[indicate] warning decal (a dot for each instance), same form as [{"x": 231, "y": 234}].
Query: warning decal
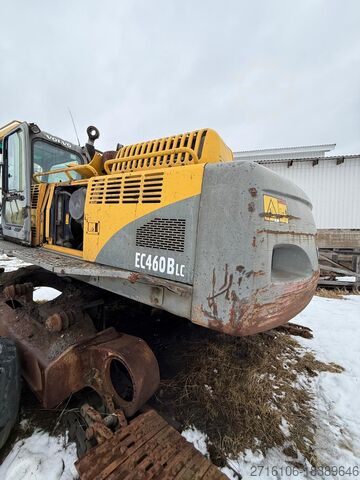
[{"x": 275, "y": 209}]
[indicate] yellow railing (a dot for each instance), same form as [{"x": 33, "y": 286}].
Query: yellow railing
[
  {"x": 163, "y": 158},
  {"x": 86, "y": 171}
]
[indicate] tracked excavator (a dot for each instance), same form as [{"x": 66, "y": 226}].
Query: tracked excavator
[{"x": 174, "y": 223}]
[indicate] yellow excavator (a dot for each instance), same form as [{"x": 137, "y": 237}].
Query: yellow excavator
[{"x": 173, "y": 223}]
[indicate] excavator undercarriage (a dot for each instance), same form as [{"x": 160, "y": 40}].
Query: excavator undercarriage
[{"x": 62, "y": 353}]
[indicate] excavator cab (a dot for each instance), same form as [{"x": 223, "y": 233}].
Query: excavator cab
[{"x": 29, "y": 156}]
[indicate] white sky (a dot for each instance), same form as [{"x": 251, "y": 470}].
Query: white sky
[{"x": 263, "y": 73}]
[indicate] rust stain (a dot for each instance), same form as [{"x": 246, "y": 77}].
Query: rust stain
[
  {"x": 250, "y": 316},
  {"x": 133, "y": 277},
  {"x": 251, "y": 207},
  {"x": 258, "y": 273},
  {"x": 286, "y": 232},
  {"x": 279, "y": 215},
  {"x": 223, "y": 290}
]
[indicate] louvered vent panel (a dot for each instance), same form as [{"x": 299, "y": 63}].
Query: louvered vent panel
[
  {"x": 35, "y": 191},
  {"x": 127, "y": 189},
  {"x": 152, "y": 188},
  {"x": 33, "y": 233},
  {"x": 97, "y": 190},
  {"x": 162, "y": 233},
  {"x": 132, "y": 189},
  {"x": 113, "y": 190}
]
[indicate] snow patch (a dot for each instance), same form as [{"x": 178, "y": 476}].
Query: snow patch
[
  {"x": 255, "y": 465},
  {"x": 45, "y": 294},
  {"x": 10, "y": 264},
  {"x": 40, "y": 457},
  {"x": 336, "y": 325},
  {"x": 197, "y": 438}
]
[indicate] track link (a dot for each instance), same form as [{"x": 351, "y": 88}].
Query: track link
[{"x": 147, "y": 448}]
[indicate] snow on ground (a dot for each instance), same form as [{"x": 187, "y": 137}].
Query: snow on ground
[
  {"x": 45, "y": 294},
  {"x": 11, "y": 263},
  {"x": 41, "y": 294},
  {"x": 336, "y": 327},
  {"x": 40, "y": 457},
  {"x": 198, "y": 439}
]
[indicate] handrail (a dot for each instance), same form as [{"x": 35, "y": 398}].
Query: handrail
[
  {"x": 146, "y": 156},
  {"x": 67, "y": 170}
]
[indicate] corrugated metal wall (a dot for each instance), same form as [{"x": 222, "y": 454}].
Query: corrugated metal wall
[{"x": 334, "y": 190}]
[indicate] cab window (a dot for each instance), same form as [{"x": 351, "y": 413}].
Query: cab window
[
  {"x": 15, "y": 206},
  {"x": 15, "y": 162},
  {"x": 48, "y": 157}
]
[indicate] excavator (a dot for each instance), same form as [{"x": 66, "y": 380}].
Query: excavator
[{"x": 174, "y": 223}]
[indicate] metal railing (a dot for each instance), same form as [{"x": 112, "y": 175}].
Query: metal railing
[
  {"x": 162, "y": 158},
  {"x": 76, "y": 168}
]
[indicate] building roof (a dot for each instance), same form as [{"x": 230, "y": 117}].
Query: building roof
[
  {"x": 304, "y": 159},
  {"x": 321, "y": 148}
]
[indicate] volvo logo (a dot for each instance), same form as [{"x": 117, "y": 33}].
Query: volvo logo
[{"x": 59, "y": 141}]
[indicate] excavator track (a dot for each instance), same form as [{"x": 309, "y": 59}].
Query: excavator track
[
  {"x": 146, "y": 448},
  {"x": 61, "y": 352}
]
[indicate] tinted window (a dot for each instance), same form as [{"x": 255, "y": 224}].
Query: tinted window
[
  {"x": 48, "y": 157},
  {"x": 14, "y": 208},
  {"x": 16, "y": 161}
]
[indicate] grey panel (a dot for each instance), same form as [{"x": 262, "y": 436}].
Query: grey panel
[
  {"x": 236, "y": 271},
  {"x": 128, "y": 249}
]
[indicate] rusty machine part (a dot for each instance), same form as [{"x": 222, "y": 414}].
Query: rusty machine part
[
  {"x": 145, "y": 448},
  {"x": 62, "y": 353}
]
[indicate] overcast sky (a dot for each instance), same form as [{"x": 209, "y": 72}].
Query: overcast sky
[{"x": 263, "y": 73}]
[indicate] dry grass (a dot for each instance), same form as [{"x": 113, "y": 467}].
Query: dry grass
[
  {"x": 242, "y": 391},
  {"x": 338, "y": 293}
]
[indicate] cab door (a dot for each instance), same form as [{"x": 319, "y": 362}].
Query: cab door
[{"x": 16, "y": 191}]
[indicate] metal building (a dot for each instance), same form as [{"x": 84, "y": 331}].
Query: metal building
[{"x": 333, "y": 185}]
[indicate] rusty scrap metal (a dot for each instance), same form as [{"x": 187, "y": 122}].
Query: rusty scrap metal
[
  {"x": 147, "y": 448},
  {"x": 25, "y": 290},
  {"x": 100, "y": 428},
  {"x": 121, "y": 368},
  {"x": 61, "y": 320}
]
